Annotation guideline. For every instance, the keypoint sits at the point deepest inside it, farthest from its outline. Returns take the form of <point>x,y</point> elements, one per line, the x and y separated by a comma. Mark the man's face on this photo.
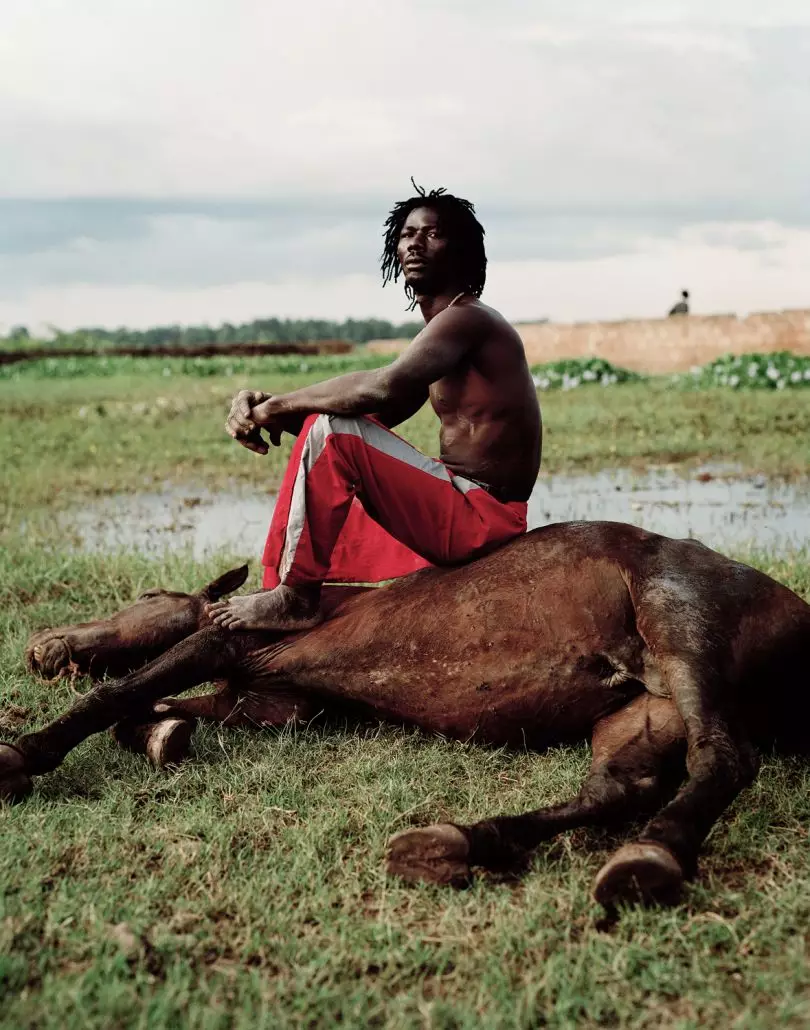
<point>423,251</point>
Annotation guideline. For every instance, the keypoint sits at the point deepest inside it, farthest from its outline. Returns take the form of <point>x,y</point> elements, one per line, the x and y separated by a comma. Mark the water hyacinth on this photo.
<point>777,371</point>
<point>574,372</point>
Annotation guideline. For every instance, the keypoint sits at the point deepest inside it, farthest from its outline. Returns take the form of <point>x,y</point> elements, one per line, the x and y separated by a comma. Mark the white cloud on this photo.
<point>582,130</point>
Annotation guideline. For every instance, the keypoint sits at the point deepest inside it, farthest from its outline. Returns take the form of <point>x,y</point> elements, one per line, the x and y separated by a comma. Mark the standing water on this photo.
<point>725,511</point>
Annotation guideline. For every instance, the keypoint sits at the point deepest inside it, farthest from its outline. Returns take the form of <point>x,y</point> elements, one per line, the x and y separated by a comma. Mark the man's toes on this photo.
<point>231,621</point>
<point>221,618</point>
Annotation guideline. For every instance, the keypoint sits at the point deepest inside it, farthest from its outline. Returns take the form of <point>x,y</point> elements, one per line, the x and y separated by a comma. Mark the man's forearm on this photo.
<point>355,393</point>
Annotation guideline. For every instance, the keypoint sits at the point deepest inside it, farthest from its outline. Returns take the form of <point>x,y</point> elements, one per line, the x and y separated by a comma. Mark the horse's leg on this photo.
<point>208,654</point>
<point>637,759</point>
<point>167,739</point>
<point>720,762</point>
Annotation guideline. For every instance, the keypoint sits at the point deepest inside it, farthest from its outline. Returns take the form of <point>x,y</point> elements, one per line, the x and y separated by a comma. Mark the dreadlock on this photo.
<point>464,232</point>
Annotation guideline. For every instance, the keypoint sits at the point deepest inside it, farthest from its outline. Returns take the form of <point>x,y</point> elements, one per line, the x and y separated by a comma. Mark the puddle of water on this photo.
<point>724,511</point>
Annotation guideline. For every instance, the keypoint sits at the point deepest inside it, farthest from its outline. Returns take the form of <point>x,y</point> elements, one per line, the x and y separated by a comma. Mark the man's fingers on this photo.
<point>254,443</point>
<point>247,399</point>
<point>239,417</point>
<point>252,439</point>
<point>239,424</point>
<point>257,448</point>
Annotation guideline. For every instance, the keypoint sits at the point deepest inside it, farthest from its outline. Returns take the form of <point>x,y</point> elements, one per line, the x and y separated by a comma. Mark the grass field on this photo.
<point>246,890</point>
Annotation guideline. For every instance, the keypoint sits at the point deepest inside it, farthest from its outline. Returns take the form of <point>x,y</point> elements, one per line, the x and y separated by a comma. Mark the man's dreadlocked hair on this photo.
<point>463,230</point>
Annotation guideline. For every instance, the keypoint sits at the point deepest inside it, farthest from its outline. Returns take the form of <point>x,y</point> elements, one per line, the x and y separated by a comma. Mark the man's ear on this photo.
<point>226,584</point>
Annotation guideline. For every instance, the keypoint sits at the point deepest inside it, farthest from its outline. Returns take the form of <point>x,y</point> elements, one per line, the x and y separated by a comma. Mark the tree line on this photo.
<point>261,330</point>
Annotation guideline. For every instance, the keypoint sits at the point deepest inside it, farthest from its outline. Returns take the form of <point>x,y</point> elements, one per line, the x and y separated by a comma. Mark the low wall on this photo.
<point>660,344</point>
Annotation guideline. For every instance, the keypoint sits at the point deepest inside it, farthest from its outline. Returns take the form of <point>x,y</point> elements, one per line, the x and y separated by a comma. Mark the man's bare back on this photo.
<point>468,361</point>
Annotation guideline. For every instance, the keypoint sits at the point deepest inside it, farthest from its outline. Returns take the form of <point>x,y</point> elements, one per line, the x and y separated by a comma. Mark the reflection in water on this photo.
<point>722,510</point>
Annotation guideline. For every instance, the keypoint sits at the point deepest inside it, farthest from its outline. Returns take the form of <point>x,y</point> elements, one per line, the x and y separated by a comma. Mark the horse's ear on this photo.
<point>226,584</point>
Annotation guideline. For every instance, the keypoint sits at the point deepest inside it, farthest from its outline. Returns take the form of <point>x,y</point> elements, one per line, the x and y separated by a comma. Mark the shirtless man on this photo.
<point>416,511</point>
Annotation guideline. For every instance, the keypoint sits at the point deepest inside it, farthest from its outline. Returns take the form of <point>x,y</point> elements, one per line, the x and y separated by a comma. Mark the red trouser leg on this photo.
<point>438,517</point>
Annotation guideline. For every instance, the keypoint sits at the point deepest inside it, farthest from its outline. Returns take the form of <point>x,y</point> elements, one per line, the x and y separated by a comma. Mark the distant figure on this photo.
<point>682,307</point>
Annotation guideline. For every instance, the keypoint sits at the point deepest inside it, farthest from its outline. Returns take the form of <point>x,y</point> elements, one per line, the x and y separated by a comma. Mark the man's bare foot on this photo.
<point>285,608</point>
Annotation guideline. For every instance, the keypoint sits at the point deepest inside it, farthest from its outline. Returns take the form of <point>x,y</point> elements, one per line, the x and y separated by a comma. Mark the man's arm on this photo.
<point>398,412</point>
<point>401,386</point>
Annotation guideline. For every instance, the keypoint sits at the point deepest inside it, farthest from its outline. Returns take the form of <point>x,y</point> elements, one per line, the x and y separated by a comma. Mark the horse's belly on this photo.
<point>532,664</point>
<point>531,703</point>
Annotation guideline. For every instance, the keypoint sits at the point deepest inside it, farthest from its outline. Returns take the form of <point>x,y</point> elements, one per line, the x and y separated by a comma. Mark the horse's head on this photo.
<point>155,622</point>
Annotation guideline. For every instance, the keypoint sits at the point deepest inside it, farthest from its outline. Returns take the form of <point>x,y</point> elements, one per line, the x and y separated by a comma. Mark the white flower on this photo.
<point>734,381</point>
<point>771,372</point>
<point>82,412</point>
<point>753,369</point>
<point>588,376</point>
<point>807,373</point>
<point>795,377</point>
<point>781,384</point>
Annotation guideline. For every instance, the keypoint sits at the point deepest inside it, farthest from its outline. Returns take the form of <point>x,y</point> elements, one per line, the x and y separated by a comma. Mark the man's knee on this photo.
<point>345,425</point>
<point>336,423</point>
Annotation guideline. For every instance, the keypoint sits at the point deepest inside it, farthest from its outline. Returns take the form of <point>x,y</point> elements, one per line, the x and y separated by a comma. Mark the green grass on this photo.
<point>251,881</point>
<point>252,885</point>
<point>61,441</point>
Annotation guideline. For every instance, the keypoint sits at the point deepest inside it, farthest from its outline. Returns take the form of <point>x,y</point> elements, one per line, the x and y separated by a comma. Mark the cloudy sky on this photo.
<point>212,160</point>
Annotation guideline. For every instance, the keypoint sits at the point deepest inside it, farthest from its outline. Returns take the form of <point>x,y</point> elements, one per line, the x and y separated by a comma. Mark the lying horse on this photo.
<point>676,661</point>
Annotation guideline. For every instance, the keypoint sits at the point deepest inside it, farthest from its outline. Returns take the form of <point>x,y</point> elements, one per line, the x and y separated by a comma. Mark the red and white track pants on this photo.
<point>358,504</point>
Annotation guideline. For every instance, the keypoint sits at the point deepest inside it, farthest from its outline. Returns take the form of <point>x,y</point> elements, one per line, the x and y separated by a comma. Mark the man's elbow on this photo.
<point>379,391</point>
<point>397,389</point>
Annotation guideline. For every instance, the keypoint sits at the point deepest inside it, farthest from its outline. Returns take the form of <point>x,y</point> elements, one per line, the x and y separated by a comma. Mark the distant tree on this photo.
<point>260,330</point>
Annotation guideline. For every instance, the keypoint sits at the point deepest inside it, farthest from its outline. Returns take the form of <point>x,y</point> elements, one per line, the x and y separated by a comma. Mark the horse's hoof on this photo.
<point>15,783</point>
<point>169,743</point>
<point>639,873</point>
<point>164,743</point>
<point>48,656</point>
<point>432,854</point>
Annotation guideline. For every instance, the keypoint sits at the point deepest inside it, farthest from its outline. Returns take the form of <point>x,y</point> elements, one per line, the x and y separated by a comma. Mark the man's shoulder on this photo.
<point>474,314</point>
